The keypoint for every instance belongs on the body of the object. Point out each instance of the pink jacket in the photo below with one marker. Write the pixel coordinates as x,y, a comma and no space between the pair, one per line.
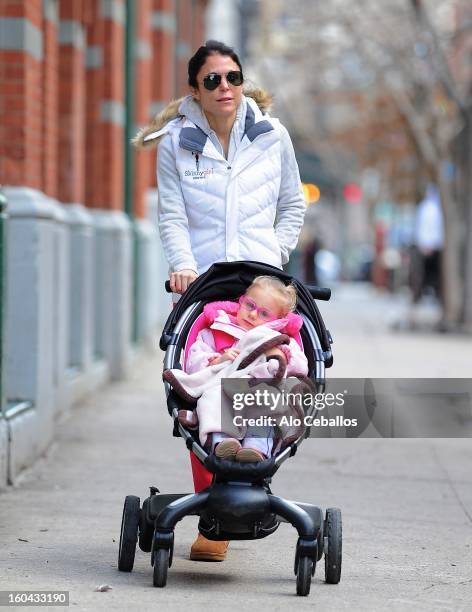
223,332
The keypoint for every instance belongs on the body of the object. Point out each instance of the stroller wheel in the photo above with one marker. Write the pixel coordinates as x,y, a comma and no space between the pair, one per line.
333,553
129,533
305,568
320,542
161,563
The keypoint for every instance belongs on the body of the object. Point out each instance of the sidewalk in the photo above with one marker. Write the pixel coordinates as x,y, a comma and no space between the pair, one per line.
368,340
407,504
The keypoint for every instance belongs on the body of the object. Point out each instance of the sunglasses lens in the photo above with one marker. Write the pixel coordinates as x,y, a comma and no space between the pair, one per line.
234,77
248,304
211,81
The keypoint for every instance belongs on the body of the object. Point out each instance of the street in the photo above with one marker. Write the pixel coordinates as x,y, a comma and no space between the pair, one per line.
406,503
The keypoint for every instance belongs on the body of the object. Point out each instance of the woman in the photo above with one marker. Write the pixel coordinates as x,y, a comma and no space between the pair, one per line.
229,187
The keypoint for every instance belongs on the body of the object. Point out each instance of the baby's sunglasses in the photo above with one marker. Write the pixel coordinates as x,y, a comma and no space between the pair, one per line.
212,80
250,305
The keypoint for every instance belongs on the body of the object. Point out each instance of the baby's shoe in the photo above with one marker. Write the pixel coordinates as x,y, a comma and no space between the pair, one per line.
227,449
188,418
249,455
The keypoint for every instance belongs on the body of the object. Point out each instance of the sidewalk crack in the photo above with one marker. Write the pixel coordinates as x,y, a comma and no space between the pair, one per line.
436,458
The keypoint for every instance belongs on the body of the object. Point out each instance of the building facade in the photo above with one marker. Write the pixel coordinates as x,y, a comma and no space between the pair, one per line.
82,267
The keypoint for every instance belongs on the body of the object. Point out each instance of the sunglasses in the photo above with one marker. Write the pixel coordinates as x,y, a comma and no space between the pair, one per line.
212,80
250,305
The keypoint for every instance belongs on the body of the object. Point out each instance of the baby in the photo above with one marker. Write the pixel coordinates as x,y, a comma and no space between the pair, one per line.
267,301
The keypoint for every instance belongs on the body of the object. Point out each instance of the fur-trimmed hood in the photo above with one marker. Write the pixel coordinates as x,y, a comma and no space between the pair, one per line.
174,110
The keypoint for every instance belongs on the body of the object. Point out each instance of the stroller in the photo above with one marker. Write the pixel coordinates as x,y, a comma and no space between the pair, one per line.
239,504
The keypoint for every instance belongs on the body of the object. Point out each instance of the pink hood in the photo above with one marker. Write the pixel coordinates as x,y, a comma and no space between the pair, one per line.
290,324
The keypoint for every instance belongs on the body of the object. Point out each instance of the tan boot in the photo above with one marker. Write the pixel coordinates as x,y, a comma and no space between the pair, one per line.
249,455
228,448
208,550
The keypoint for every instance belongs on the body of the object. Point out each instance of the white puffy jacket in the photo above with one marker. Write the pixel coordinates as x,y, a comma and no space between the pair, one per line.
213,209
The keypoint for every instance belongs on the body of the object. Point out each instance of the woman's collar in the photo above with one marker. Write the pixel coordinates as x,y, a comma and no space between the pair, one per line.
190,108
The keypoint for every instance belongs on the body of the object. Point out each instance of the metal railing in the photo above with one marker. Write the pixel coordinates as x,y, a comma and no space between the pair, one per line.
3,247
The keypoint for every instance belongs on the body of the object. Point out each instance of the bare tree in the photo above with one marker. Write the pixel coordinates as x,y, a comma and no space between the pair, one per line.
400,49
459,94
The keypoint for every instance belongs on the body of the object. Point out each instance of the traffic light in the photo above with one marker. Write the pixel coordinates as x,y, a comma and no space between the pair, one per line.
352,193
311,192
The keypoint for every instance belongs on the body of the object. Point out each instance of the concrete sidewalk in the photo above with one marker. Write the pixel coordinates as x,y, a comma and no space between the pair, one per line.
407,504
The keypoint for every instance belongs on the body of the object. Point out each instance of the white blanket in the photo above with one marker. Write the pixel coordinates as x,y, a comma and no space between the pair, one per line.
215,411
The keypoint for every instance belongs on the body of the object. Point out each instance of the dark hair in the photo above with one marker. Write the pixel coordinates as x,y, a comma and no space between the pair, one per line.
211,47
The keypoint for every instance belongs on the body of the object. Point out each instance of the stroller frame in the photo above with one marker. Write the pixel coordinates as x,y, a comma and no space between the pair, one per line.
239,503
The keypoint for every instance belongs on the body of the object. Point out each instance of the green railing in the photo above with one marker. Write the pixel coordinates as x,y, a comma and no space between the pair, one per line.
3,248
130,128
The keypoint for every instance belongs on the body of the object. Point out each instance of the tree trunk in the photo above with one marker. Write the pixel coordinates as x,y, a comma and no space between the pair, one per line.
451,282
467,300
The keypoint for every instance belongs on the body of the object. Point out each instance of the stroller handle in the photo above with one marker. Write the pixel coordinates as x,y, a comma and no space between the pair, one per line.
317,293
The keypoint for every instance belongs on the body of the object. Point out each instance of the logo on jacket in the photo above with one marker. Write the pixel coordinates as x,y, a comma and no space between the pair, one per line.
200,174
197,173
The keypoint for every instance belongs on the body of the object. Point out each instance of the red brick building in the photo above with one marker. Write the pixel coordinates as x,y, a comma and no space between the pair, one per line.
85,273
63,95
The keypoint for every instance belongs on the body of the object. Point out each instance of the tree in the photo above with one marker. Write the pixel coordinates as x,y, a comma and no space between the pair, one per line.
402,50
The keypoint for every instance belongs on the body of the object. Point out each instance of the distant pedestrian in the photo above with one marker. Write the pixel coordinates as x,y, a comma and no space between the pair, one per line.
426,253
309,268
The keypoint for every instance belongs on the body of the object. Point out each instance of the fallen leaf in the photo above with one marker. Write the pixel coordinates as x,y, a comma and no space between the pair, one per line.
103,588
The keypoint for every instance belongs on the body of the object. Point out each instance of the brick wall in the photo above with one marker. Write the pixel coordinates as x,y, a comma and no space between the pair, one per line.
94,158
50,100
163,81
62,92
185,44
21,54
71,91
143,162
112,111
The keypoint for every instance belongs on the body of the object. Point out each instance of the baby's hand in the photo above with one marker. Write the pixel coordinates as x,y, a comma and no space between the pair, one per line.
228,355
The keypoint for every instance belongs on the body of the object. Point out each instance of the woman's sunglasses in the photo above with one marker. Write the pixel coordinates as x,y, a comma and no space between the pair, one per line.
212,80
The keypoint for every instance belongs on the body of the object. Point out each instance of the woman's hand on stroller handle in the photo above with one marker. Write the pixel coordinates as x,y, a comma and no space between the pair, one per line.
179,281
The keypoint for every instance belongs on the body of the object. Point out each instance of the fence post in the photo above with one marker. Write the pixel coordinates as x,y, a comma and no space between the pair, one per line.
4,450
3,234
